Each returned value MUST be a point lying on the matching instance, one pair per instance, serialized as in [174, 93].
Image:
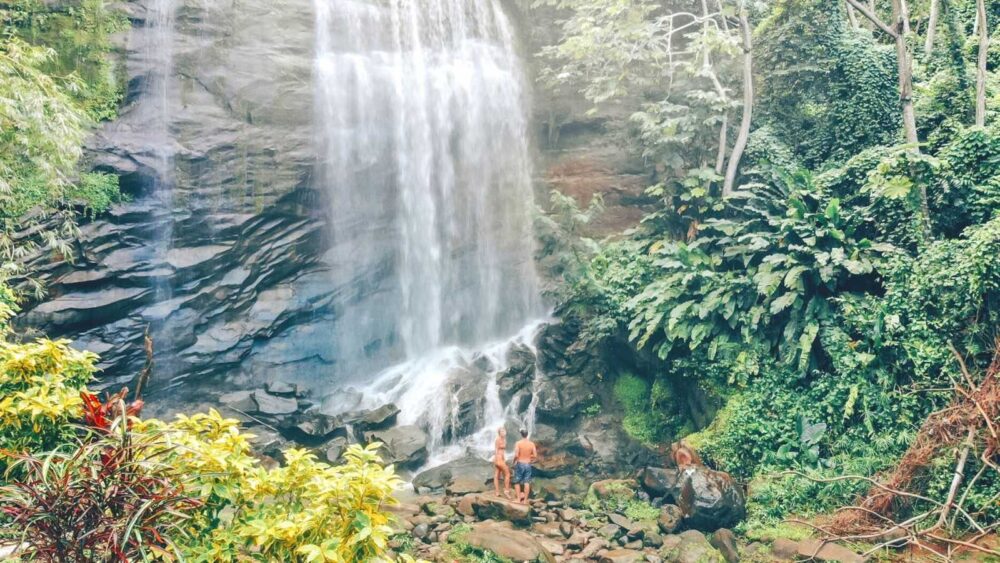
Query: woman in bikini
[500, 463]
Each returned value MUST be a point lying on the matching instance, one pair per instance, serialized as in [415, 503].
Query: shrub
[110, 497]
[764, 274]
[641, 511]
[305, 509]
[646, 419]
[40, 385]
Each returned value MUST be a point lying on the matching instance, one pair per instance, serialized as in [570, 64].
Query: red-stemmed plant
[109, 499]
[101, 415]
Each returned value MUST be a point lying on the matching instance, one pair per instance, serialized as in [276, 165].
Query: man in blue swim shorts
[525, 453]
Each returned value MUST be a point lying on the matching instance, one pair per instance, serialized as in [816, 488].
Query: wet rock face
[223, 256]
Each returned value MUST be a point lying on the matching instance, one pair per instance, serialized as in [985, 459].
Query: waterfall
[422, 135]
[153, 112]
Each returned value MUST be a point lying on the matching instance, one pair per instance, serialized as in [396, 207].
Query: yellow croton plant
[304, 510]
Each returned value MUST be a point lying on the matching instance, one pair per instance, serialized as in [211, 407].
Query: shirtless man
[525, 454]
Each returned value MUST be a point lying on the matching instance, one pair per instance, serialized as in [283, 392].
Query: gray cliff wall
[251, 297]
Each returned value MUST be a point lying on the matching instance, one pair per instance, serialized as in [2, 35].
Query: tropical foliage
[815, 309]
[56, 81]
[303, 510]
[85, 483]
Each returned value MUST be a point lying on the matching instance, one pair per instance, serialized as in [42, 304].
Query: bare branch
[956, 480]
[866, 12]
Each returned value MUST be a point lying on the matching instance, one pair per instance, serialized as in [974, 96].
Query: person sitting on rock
[500, 466]
[684, 456]
[525, 453]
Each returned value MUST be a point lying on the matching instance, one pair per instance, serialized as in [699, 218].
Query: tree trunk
[852, 17]
[748, 97]
[932, 23]
[720, 159]
[984, 47]
[905, 64]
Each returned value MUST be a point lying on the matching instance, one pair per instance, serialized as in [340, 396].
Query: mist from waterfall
[423, 144]
[422, 128]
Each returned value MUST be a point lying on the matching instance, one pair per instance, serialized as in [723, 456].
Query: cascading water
[423, 140]
[153, 112]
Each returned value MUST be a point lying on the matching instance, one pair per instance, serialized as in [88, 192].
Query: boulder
[312, 428]
[549, 529]
[489, 507]
[518, 374]
[554, 464]
[710, 499]
[503, 540]
[559, 487]
[576, 541]
[334, 449]
[282, 388]
[464, 485]
[592, 547]
[465, 506]
[609, 531]
[784, 549]
[621, 521]
[670, 519]
[271, 405]
[552, 546]
[661, 482]
[439, 509]
[405, 446]
[562, 399]
[377, 419]
[819, 550]
[238, 401]
[623, 556]
[724, 540]
[689, 547]
[608, 488]
[652, 539]
[465, 471]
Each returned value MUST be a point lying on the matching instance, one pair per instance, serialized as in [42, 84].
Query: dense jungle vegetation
[826, 250]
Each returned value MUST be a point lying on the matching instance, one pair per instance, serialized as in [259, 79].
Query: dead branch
[147, 368]
[956, 480]
[975, 407]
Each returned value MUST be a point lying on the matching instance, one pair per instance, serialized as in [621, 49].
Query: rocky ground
[663, 514]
